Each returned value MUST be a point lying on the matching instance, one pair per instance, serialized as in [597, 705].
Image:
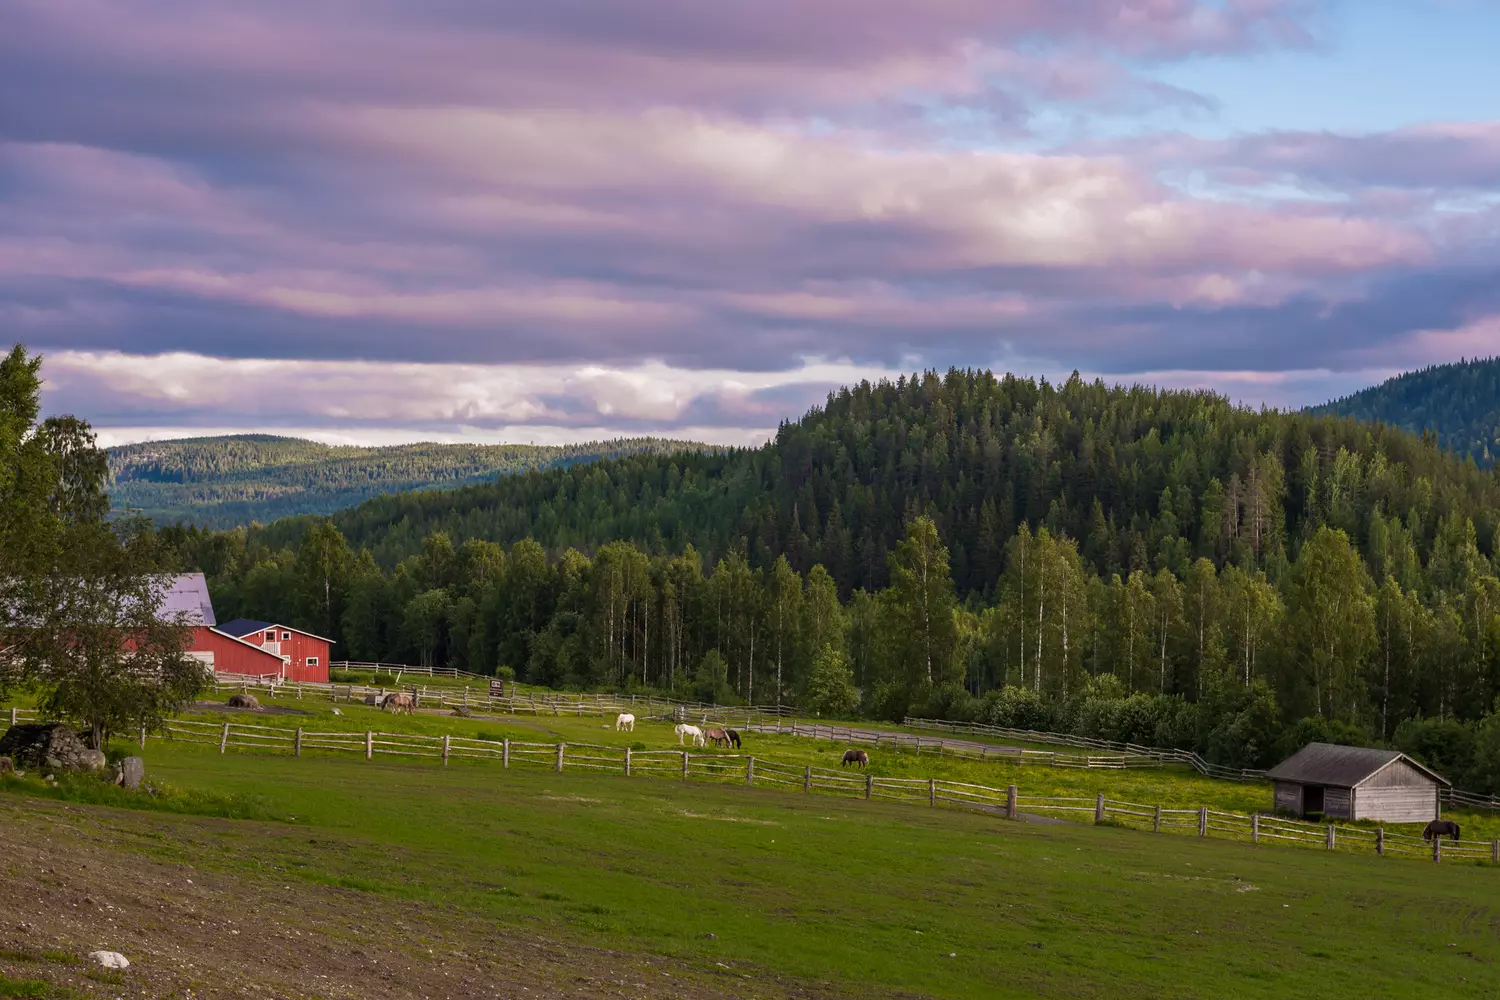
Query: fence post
[1255, 828]
[143, 737]
[1380, 840]
[807, 779]
[446, 738]
[932, 792]
[505, 753]
[15, 715]
[224, 738]
[1203, 821]
[627, 762]
[369, 744]
[560, 747]
[1331, 835]
[1099, 808]
[1437, 849]
[684, 765]
[750, 771]
[1156, 823]
[466, 696]
[1010, 802]
[1495, 851]
[297, 745]
[869, 784]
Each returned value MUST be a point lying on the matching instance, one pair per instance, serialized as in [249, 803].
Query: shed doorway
[1312, 800]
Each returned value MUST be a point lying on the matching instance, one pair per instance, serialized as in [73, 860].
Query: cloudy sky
[515, 220]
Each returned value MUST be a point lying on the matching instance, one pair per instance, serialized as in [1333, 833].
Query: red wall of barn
[299, 648]
[232, 657]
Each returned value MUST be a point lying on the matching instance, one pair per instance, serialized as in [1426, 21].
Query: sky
[372, 221]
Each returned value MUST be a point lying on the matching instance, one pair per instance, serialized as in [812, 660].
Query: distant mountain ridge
[1458, 404]
[222, 482]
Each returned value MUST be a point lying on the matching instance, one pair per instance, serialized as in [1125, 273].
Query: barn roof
[1341, 767]
[188, 596]
[244, 626]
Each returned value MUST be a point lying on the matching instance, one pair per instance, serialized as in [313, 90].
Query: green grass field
[1172, 787]
[868, 897]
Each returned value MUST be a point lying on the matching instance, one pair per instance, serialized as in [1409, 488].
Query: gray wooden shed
[1357, 783]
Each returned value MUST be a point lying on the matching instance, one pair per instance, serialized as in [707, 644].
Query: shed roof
[188, 596]
[1341, 767]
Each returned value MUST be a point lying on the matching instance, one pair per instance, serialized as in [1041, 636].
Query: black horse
[734, 737]
[1440, 828]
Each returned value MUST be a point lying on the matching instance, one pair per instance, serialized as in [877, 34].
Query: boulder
[7, 766]
[130, 772]
[244, 701]
[462, 711]
[109, 960]
[52, 746]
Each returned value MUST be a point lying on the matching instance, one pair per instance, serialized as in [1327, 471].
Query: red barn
[257, 649]
[304, 656]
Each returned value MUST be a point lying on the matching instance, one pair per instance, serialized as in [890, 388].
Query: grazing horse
[684, 730]
[719, 736]
[734, 737]
[855, 757]
[1440, 828]
[625, 721]
[398, 702]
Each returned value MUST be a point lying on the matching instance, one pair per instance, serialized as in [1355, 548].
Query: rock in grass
[109, 960]
[7, 766]
[130, 772]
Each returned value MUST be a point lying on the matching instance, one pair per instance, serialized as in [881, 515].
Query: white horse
[684, 730]
[625, 721]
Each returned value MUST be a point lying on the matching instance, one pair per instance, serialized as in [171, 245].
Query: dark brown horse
[734, 737]
[1440, 828]
[719, 736]
[858, 757]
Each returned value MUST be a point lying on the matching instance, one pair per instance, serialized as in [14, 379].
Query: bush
[1316, 729]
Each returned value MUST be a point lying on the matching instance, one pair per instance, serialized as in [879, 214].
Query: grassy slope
[825, 889]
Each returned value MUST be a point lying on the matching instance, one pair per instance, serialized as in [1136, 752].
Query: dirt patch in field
[76, 879]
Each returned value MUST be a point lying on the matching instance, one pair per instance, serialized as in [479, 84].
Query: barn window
[270, 636]
[286, 637]
[312, 661]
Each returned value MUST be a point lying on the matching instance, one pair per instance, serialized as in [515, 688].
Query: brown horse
[398, 702]
[719, 736]
[734, 737]
[858, 757]
[1440, 828]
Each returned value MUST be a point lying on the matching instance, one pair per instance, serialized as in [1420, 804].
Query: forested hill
[1158, 567]
[221, 482]
[1458, 404]
[1141, 478]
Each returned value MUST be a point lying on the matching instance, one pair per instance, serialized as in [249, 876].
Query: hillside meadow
[854, 897]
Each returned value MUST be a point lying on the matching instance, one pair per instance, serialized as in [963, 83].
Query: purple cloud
[519, 191]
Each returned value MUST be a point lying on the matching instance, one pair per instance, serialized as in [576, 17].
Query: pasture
[723, 890]
[1171, 787]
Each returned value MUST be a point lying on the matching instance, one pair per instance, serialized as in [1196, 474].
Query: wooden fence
[752, 771]
[534, 702]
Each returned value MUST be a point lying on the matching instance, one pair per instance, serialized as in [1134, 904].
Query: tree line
[958, 544]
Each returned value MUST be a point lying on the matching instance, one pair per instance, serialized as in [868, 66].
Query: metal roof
[1341, 767]
[244, 626]
[188, 597]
